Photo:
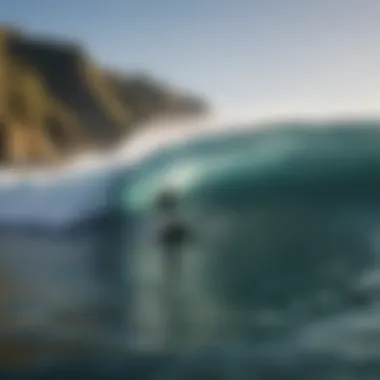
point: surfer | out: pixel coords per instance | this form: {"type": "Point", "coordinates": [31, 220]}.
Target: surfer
{"type": "Point", "coordinates": [173, 235]}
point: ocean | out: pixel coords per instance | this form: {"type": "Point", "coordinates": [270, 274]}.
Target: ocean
{"type": "Point", "coordinates": [93, 301]}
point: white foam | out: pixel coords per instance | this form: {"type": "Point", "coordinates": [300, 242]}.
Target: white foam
{"type": "Point", "coordinates": [62, 195]}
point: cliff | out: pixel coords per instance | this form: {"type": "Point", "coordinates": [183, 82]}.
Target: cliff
{"type": "Point", "coordinates": [55, 100]}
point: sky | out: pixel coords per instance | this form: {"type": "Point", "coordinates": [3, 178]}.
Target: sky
{"type": "Point", "coordinates": [252, 58]}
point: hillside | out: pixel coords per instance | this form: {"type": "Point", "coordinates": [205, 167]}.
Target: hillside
{"type": "Point", "coordinates": [55, 100]}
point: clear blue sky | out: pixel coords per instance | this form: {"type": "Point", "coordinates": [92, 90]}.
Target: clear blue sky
{"type": "Point", "coordinates": [251, 57]}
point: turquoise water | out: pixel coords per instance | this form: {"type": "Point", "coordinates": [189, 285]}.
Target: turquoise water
{"type": "Point", "coordinates": [301, 274]}
{"type": "Point", "coordinates": [237, 166]}
{"type": "Point", "coordinates": [271, 285]}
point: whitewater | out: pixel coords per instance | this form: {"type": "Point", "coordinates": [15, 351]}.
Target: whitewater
{"type": "Point", "coordinates": [89, 184]}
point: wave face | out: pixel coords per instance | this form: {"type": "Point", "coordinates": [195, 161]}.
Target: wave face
{"type": "Point", "coordinates": [91, 185]}
{"type": "Point", "coordinates": [94, 184]}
